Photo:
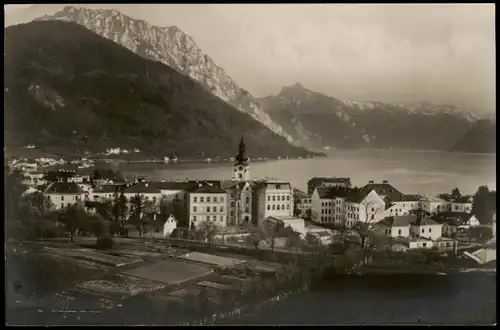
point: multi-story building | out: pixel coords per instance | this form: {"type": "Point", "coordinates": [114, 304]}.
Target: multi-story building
{"type": "Point", "coordinates": [207, 202]}
{"type": "Point", "coordinates": [434, 205]}
{"type": "Point", "coordinates": [397, 226]}
{"type": "Point", "coordinates": [427, 228]}
{"type": "Point", "coordinates": [327, 182]}
{"type": "Point", "coordinates": [344, 206]}
{"type": "Point", "coordinates": [63, 194]}
{"type": "Point", "coordinates": [302, 202]}
{"type": "Point", "coordinates": [272, 198]}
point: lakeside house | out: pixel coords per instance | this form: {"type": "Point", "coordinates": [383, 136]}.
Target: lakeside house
{"type": "Point", "coordinates": [63, 194]}
{"type": "Point", "coordinates": [207, 202]}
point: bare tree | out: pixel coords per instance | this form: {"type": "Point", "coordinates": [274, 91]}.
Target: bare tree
{"type": "Point", "coordinates": [368, 223]}
{"type": "Point", "coordinates": [209, 230]}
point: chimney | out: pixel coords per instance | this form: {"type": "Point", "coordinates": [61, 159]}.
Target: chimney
{"type": "Point", "coordinates": [385, 181]}
{"type": "Point", "coordinates": [146, 185]}
{"type": "Point", "coordinates": [370, 182]}
{"type": "Point", "coordinates": [162, 180]}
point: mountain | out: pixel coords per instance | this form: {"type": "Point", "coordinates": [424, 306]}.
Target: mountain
{"type": "Point", "coordinates": [69, 87]}
{"type": "Point", "coordinates": [481, 138]}
{"type": "Point", "coordinates": [171, 46]}
{"type": "Point", "coordinates": [323, 121]}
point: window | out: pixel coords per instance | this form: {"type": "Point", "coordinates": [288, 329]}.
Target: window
{"type": "Point", "coordinates": [147, 197]}
{"type": "Point", "coordinates": [390, 232]}
{"type": "Point", "coordinates": [247, 199]}
{"type": "Point", "coordinates": [195, 199]}
{"type": "Point", "coordinates": [288, 198]}
{"type": "Point", "coordinates": [278, 197]}
{"type": "Point", "coordinates": [287, 206]}
{"type": "Point", "coordinates": [274, 198]}
{"type": "Point", "coordinates": [429, 230]}
{"type": "Point", "coordinates": [221, 209]}
{"type": "Point", "coordinates": [399, 232]}
{"type": "Point", "coordinates": [222, 199]}
{"type": "Point", "coordinates": [423, 230]}
{"type": "Point", "coordinates": [221, 218]}
{"type": "Point", "coordinates": [231, 213]}
{"type": "Point", "coordinates": [277, 207]}
{"type": "Point", "coordinates": [154, 199]}
{"type": "Point", "coordinates": [268, 207]}
{"type": "Point", "coordinates": [62, 198]}
{"type": "Point", "coordinates": [194, 209]}
{"type": "Point", "coordinates": [208, 199]}
{"type": "Point", "coordinates": [268, 198]}
{"type": "Point", "coordinates": [214, 217]}
{"type": "Point", "coordinates": [424, 244]}
{"type": "Point", "coordinates": [215, 199]}
{"type": "Point", "coordinates": [274, 207]}
{"type": "Point", "coordinates": [62, 205]}
{"type": "Point", "coordinates": [194, 217]}
{"type": "Point", "coordinates": [201, 199]}
{"type": "Point", "coordinates": [246, 209]}
{"type": "Point", "coordinates": [208, 209]}
{"type": "Point", "coordinates": [232, 204]}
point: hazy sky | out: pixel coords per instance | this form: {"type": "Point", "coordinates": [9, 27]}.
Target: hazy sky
{"type": "Point", "coordinates": [392, 53]}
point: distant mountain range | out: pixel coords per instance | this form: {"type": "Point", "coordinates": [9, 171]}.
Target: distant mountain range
{"type": "Point", "coordinates": [303, 117]}
{"type": "Point", "coordinates": [481, 138]}
{"type": "Point", "coordinates": [67, 86]}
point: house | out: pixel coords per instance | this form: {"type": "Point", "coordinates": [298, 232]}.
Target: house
{"type": "Point", "coordinates": [434, 205]}
{"type": "Point", "coordinates": [271, 198]}
{"type": "Point", "coordinates": [63, 194]}
{"type": "Point", "coordinates": [148, 191]}
{"type": "Point", "coordinates": [302, 202]}
{"type": "Point", "coordinates": [385, 190]}
{"type": "Point", "coordinates": [425, 227]}
{"type": "Point", "coordinates": [296, 224]}
{"type": "Point", "coordinates": [397, 226]}
{"type": "Point", "coordinates": [169, 226]}
{"type": "Point", "coordinates": [207, 202]}
{"type": "Point", "coordinates": [363, 206]}
{"type": "Point", "coordinates": [455, 221]}
{"type": "Point", "coordinates": [102, 193]}
{"type": "Point", "coordinates": [462, 204]}
{"type": "Point", "coordinates": [405, 203]}
{"type": "Point", "coordinates": [327, 182]}
{"type": "Point", "coordinates": [419, 243]}
{"type": "Point", "coordinates": [322, 206]}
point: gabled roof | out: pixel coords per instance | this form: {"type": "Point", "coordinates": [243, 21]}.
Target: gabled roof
{"type": "Point", "coordinates": [206, 189]}
{"type": "Point", "coordinates": [142, 187]}
{"type": "Point", "coordinates": [427, 221]}
{"type": "Point", "coordinates": [398, 221]}
{"type": "Point", "coordinates": [299, 193]}
{"type": "Point", "coordinates": [63, 188]}
{"type": "Point", "coordinates": [351, 195]}
{"type": "Point", "coordinates": [319, 180]}
{"type": "Point", "coordinates": [452, 218]}
{"type": "Point", "coordinates": [279, 185]}
{"type": "Point", "coordinates": [385, 189]}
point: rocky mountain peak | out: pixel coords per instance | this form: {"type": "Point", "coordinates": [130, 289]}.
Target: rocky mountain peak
{"type": "Point", "coordinates": [170, 46]}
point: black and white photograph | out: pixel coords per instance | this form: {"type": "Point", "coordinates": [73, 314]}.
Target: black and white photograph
{"type": "Point", "coordinates": [250, 164]}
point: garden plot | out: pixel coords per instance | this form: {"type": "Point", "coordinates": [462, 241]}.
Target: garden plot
{"type": "Point", "coordinates": [89, 255]}
{"type": "Point", "coordinates": [120, 285]}
{"type": "Point", "coordinates": [212, 259]}
{"type": "Point", "coordinates": [268, 267]}
{"type": "Point", "coordinates": [170, 271]}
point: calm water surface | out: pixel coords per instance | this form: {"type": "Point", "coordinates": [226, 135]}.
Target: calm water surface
{"type": "Point", "coordinates": [423, 172]}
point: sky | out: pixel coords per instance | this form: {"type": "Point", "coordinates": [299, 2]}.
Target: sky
{"type": "Point", "coordinates": [390, 53]}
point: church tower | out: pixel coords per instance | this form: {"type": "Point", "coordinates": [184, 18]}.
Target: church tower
{"type": "Point", "coordinates": [241, 170]}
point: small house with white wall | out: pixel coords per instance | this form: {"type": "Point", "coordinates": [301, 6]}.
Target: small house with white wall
{"type": "Point", "coordinates": [397, 226]}
{"type": "Point", "coordinates": [63, 194]}
{"type": "Point", "coordinates": [425, 227]}
{"type": "Point", "coordinates": [296, 224]}
{"type": "Point", "coordinates": [170, 225]}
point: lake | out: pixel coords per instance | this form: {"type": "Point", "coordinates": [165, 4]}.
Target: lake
{"type": "Point", "coordinates": [412, 172]}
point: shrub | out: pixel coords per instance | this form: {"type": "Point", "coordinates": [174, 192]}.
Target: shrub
{"type": "Point", "coordinates": [104, 243]}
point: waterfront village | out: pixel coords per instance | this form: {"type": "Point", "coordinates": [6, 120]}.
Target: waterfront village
{"type": "Point", "coordinates": [211, 226]}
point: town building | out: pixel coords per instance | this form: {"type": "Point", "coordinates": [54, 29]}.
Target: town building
{"type": "Point", "coordinates": [207, 202]}
{"type": "Point", "coordinates": [148, 191]}
{"type": "Point", "coordinates": [302, 203]}
{"type": "Point", "coordinates": [425, 227]}
{"type": "Point", "coordinates": [271, 199]}
{"type": "Point", "coordinates": [327, 182]}
{"type": "Point", "coordinates": [454, 222]}
{"type": "Point", "coordinates": [294, 223]}
{"type": "Point", "coordinates": [434, 205]}
{"type": "Point", "coordinates": [63, 194]}
{"type": "Point", "coordinates": [396, 226]}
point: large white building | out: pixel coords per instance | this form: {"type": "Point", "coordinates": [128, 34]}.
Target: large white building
{"type": "Point", "coordinates": [207, 202]}
{"type": "Point", "coordinates": [63, 194]}
{"type": "Point", "coordinates": [272, 199]}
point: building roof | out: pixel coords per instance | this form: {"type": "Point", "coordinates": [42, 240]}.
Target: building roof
{"type": "Point", "coordinates": [424, 221]}
{"type": "Point", "coordinates": [352, 195]}
{"type": "Point", "coordinates": [385, 189]}
{"type": "Point", "coordinates": [319, 180]}
{"type": "Point", "coordinates": [64, 188]}
{"type": "Point", "coordinates": [398, 221]}
{"type": "Point", "coordinates": [432, 199]}
{"type": "Point", "coordinates": [452, 218]}
{"type": "Point", "coordinates": [142, 188]}
{"type": "Point", "coordinates": [205, 188]}
{"type": "Point", "coordinates": [410, 198]}
{"type": "Point", "coordinates": [278, 185]}
{"type": "Point", "coordinates": [107, 188]}
{"type": "Point", "coordinates": [300, 194]}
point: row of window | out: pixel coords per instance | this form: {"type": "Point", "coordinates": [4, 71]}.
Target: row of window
{"type": "Point", "coordinates": [213, 199]}
{"type": "Point", "coordinates": [208, 218]}
{"type": "Point", "coordinates": [208, 208]}
{"type": "Point", "coordinates": [389, 232]}
{"type": "Point", "coordinates": [277, 207]}
{"type": "Point", "coordinates": [77, 198]}
{"type": "Point", "coordinates": [279, 198]}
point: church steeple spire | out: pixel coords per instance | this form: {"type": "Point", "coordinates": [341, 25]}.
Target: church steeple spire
{"type": "Point", "coordinates": [241, 157]}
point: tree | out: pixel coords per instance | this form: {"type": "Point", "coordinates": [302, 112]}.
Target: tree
{"type": "Point", "coordinates": [365, 225]}
{"type": "Point", "coordinates": [481, 207]}
{"type": "Point", "coordinates": [293, 241]}
{"type": "Point", "coordinates": [74, 218]}
{"type": "Point", "coordinates": [136, 215]}
{"type": "Point", "coordinates": [455, 194]}
{"type": "Point", "coordinates": [120, 209]}
{"type": "Point", "coordinates": [209, 229]}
